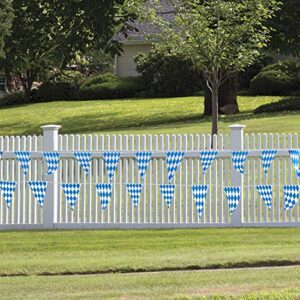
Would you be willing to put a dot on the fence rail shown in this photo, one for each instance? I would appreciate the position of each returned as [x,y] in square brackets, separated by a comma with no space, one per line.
[151,211]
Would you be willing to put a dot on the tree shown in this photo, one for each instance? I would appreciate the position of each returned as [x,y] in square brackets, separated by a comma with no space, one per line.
[48,34]
[222,37]
[286,25]
[6,16]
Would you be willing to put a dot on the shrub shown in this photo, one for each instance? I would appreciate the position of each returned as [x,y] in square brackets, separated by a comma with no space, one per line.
[167,75]
[12,99]
[280,78]
[279,106]
[109,86]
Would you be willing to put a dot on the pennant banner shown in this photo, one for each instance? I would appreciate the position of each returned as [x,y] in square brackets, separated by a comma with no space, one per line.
[294,155]
[174,158]
[23,158]
[38,189]
[291,196]
[8,189]
[52,161]
[134,190]
[1,153]
[168,193]
[111,160]
[238,160]
[104,191]
[266,193]
[207,157]
[267,157]
[84,159]
[71,191]
[233,195]
[200,194]
[143,159]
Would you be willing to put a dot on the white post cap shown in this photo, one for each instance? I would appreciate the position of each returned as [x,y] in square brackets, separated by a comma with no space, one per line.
[237,126]
[51,127]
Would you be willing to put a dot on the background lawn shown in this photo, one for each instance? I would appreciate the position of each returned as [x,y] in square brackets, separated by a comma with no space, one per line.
[169,115]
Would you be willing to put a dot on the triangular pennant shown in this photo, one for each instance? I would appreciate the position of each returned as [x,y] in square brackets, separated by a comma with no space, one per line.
[1,153]
[267,157]
[111,160]
[134,190]
[23,158]
[71,191]
[52,161]
[84,159]
[266,193]
[291,196]
[168,193]
[207,157]
[8,189]
[38,189]
[233,195]
[174,158]
[104,191]
[238,160]
[143,159]
[294,155]
[200,194]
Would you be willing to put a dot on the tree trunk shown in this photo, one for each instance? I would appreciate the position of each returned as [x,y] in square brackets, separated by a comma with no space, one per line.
[27,80]
[227,96]
[215,109]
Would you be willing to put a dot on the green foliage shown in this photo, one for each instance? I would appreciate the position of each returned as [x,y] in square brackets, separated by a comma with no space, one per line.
[167,75]
[277,79]
[6,16]
[286,104]
[109,86]
[16,98]
[74,77]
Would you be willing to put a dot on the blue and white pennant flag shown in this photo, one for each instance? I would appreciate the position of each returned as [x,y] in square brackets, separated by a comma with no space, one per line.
[52,161]
[134,190]
[8,189]
[266,193]
[111,160]
[291,196]
[267,157]
[200,194]
[294,155]
[143,159]
[238,160]
[174,158]
[38,189]
[84,159]
[104,191]
[23,158]
[168,193]
[71,191]
[233,195]
[207,157]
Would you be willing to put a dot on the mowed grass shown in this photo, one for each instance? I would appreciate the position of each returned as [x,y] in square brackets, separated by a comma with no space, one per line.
[86,252]
[247,284]
[167,115]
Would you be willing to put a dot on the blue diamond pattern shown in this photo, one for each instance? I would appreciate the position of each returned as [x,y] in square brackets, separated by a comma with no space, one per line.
[174,158]
[134,190]
[238,160]
[143,159]
[8,189]
[267,157]
[233,195]
[168,193]
[104,191]
[207,157]
[38,189]
[52,161]
[200,194]
[84,159]
[294,155]
[291,196]
[71,191]
[23,158]
[111,160]
[266,193]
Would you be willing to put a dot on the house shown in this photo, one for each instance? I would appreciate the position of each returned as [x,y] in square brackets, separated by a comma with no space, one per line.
[138,41]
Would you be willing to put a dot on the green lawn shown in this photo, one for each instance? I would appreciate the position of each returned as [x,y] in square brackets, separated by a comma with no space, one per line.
[63,254]
[170,115]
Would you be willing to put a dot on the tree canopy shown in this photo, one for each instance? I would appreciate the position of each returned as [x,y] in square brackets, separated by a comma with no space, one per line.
[6,16]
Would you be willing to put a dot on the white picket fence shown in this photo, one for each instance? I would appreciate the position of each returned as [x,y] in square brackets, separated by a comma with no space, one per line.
[151,211]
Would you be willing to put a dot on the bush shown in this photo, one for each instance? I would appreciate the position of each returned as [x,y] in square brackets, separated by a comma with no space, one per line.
[167,75]
[109,86]
[12,99]
[279,106]
[280,78]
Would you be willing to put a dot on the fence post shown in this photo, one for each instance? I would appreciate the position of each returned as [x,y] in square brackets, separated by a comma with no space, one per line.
[50,143]
[237,143]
